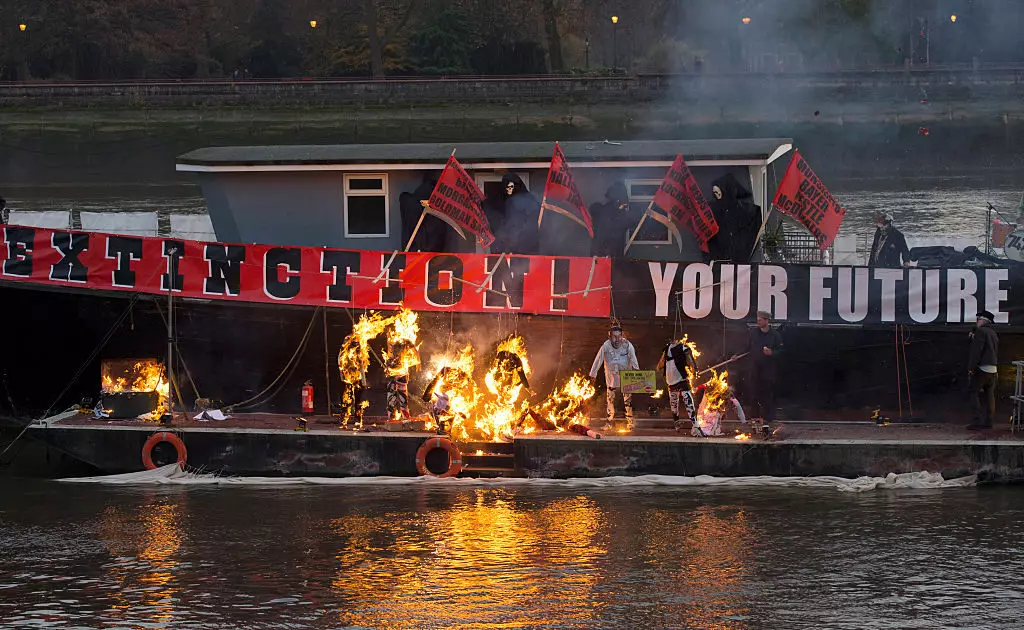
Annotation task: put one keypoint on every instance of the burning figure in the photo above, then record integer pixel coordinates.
(616, 354)
(680, 364)
(718, 395)
(401, 356)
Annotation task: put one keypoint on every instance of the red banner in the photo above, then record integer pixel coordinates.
(680, 200)
(308, 276)
(458, 201)
(804, 197)
(561, 195)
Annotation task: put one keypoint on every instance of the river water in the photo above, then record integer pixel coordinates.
(928, 208)
(414, 556)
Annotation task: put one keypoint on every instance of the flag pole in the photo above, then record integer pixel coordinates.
(764, 224)
(637, 230)
(416, 229)
(426, 208)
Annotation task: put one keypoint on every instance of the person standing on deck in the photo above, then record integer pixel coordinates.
(763, 346)
(616, 354)
(676, 359)
(889, 247)
(981, 367)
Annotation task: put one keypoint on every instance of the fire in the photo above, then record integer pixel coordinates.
(403, 351)
(742, 437)
(143, 376)
(716, 392)
(568, 404)
(692, 345)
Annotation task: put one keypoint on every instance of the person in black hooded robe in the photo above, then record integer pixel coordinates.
(738, 217)
(518, 234)
(431, 235)
(611, 221)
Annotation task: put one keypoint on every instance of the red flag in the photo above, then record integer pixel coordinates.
(680, 201)
(804, 197)
(561, 196)
(457, 201)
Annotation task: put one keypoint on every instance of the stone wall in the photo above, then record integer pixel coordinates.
(880, 85)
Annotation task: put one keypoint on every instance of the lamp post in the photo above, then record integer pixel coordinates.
(615, 43)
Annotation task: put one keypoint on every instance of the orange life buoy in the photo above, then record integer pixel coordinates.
(156, 438)
(454, 457)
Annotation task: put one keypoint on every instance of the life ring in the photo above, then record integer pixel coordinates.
(454, 457)
(156, 438)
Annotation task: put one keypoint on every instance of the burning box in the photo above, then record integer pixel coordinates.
(132, 387)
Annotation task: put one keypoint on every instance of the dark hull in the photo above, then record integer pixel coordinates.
(234, 351)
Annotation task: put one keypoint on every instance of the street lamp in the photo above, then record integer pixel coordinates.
(312, 24)
(615, 43)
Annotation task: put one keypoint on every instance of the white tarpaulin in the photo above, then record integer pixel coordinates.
(50, 219)
(130, 223)
(172, 474)
(193, 227)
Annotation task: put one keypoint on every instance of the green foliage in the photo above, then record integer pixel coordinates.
(443, 42)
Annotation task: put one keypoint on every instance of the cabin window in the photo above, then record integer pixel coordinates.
(366, 206)
(641, 193)
(490, 183)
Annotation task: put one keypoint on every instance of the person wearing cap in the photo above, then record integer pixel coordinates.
(763, 346)
(616, 354)
(889, 248)
(981, 367)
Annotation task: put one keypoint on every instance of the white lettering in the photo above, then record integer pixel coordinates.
(819, 293)
(888, 278)
(853, 293)
(771, 291)
(961, 285)
(662, 281)
(923, 300)
(734, 291)
(995, 295)
(698, 290)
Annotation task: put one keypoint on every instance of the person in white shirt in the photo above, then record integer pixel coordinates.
(616, 354)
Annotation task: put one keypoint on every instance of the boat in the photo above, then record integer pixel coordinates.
(311, 238)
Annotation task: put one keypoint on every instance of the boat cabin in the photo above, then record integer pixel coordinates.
(349, 196)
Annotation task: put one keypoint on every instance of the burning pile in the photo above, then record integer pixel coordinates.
(490, 406)
(135, 376)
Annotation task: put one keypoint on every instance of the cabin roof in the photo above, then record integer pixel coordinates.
(482, 154)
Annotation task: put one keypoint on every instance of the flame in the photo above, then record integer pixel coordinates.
(716, 392)
(742, 437)
(568, 404)
(403, 352)
(144, 376)
(500, 407)
(692, 345)
(658, 394)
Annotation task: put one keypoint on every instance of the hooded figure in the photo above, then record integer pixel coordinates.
(611, 221)
(738, 217)
(431, 235)
(889, 247)
(518, 234)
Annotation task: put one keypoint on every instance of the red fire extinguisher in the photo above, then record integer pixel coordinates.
(307, 397)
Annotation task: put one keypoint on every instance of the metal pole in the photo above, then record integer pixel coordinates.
(988, 230)
(170, 331)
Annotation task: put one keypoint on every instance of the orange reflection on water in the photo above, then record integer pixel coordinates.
(716, 554)
(473, 563)
(144, 572)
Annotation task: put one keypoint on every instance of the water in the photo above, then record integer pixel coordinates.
(439, 556)
(924, 208)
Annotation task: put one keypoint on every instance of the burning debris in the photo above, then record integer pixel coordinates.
(133, 388)
(354, 358)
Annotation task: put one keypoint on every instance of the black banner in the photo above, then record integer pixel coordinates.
(816, 294)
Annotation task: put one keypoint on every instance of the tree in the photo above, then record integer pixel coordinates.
(384, 21)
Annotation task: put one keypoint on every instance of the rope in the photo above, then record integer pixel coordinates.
(906, 374)
(177, 351)
(899, 386)
(289, 367)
